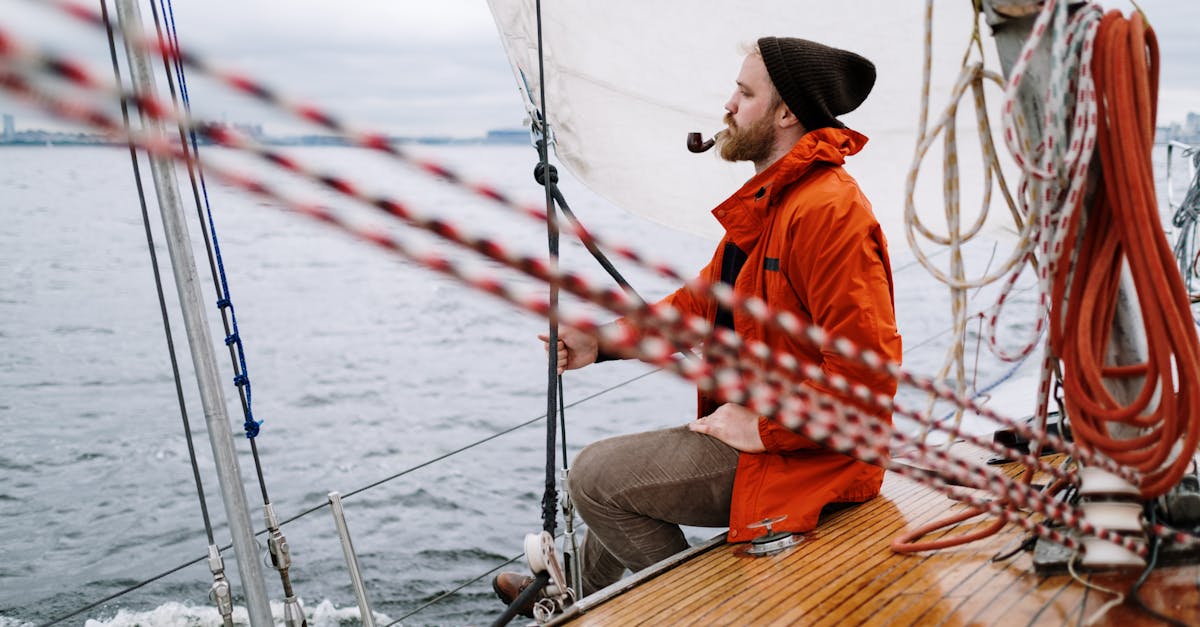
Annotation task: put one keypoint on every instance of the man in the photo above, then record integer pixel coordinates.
(801, 236)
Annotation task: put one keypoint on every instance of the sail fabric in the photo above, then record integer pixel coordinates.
(626, 81)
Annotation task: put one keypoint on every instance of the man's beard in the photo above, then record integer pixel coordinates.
(751, 143)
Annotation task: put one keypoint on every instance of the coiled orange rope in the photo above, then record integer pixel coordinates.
(1122, 225)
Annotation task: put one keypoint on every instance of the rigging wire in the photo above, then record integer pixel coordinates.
(278, 549)
(191, 149)
(550, 492)
(356, 491)
(158, 285)
(449, 593)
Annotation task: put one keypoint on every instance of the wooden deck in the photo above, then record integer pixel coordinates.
(845, 574)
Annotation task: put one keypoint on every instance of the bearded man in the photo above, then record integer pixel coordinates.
(801, 236)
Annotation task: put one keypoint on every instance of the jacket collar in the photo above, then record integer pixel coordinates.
(744, 213)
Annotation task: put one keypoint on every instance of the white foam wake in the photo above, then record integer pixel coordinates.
(324, 614)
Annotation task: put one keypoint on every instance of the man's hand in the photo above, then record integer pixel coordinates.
(734, 425)
(576, 348)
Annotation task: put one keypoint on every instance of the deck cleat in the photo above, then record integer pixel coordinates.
(771, 542)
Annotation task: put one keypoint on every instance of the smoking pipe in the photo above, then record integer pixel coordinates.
(698, 145)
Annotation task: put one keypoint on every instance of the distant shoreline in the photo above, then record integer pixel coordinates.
(324, 142)
(39, 137)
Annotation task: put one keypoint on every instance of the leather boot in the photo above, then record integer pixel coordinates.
(508, 586)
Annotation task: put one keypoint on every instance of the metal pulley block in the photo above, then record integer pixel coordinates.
(539, 552)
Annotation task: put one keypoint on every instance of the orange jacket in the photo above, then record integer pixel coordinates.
(813, 248)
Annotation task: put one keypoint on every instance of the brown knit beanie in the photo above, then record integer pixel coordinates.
(817, 82)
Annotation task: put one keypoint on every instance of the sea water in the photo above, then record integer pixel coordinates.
(362, 364)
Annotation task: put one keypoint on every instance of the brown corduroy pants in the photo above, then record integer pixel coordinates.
(634, 491)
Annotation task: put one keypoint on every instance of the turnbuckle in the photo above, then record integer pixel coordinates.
(220, 593)
(281, 560)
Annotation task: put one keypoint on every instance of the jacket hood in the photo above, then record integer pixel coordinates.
(828, 146)
(824, 145)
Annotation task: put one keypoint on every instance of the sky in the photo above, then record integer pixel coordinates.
(423, 67)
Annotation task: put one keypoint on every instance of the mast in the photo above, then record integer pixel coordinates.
(199, 337)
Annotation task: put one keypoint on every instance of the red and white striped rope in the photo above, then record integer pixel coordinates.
(612, 299)
(843, 430)
(692, 331)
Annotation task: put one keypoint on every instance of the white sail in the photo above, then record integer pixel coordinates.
(626, 81)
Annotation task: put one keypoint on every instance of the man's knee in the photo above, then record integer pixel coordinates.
(587, 472)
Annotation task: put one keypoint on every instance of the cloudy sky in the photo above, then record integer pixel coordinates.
(424, 67)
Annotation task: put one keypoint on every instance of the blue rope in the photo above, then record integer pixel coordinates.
(242, 376)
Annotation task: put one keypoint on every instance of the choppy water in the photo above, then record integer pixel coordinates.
(362, 366)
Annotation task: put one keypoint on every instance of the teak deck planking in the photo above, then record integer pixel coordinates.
(844, 573)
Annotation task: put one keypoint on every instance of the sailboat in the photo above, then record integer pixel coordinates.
(837, 600)
(718, 584)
